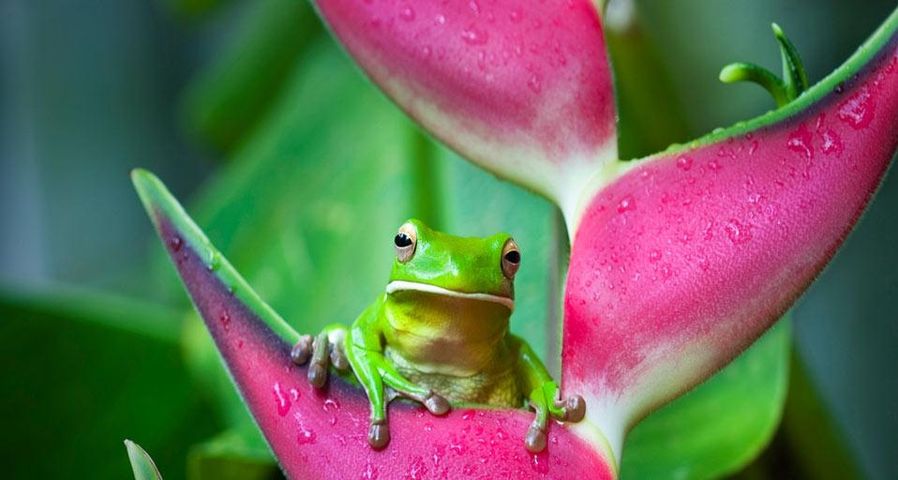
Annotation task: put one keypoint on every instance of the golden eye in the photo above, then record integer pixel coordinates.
(405, 242)
(511, 259)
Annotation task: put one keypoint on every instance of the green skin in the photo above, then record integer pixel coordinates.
(440, 332)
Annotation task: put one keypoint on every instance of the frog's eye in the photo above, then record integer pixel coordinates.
(405, 242)
(511, 259)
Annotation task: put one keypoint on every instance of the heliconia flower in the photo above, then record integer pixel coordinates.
(679, 261)
(523, 89)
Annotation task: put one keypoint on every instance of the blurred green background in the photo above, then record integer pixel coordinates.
(297, 167)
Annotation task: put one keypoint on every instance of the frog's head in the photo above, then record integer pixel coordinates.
(473, 268)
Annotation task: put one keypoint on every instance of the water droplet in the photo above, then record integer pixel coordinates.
(407, 13)
(738, 232)
(331, 406)
(225, 319)
(832, 143)
(515, 15)
(857, 111)
(214, 260)
(175, 243)
(474, 36)
(654, 256)
(305, 436)
(535, 83)
(281, 400)
(626, 204)
(714, 165)
(840, 88)
(684, 163)
(801, 141)
(440, 19)
(539, 462)
(426, 52)
(474, 6)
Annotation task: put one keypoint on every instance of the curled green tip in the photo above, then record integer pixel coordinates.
(735, 72)
(748, 72)
(794, 75)
(783, 91)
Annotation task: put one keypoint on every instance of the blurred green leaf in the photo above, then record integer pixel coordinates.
(720, 426)
(650, 114)
(194, 8)
(141, 463)
(230, 456)
(79, 371)
(817, 443)
(232, 96)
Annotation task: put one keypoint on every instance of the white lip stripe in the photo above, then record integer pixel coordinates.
(398, 285)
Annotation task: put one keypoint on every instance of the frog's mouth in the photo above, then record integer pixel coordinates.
(400, 285)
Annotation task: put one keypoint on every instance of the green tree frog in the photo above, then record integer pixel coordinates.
(440, 333)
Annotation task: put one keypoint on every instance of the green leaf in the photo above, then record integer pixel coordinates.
(230, 456)
(194, 8)
(720, 426)
(817, 443)
(141, 463)
(85, 371)
(233, 95)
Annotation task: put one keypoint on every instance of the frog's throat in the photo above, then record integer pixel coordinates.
(399, 285)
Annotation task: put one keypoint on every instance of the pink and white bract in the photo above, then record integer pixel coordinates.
(679, 261)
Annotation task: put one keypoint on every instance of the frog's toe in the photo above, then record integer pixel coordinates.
(574, 408)
(378, 435)
(535, 441)
(301, 352)
(317, 373)
(338, 356)
(436, 404)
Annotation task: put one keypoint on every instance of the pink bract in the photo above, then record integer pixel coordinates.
(681, 263)
(521, 88)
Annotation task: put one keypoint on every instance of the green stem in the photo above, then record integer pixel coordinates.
(749, 72)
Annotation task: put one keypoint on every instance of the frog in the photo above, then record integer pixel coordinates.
(439, 335)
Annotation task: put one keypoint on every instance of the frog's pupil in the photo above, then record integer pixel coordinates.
(513, 256)
(402, 240)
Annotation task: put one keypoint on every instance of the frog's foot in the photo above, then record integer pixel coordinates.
(546, 401)
(399, 386)
(378, 434)
(326, 348)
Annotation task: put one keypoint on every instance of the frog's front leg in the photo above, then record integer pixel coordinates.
(326, 347)
(545, 396)
(361, 347)
(382, 383)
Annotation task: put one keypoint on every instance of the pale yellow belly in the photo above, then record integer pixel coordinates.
(496, 386)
